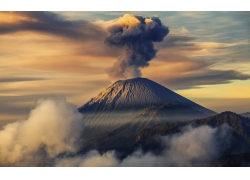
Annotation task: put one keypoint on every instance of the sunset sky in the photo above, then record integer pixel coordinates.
(205, 58)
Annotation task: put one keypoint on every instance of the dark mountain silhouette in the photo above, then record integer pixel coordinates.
(233, 160)
(240, 135)
(148, 138)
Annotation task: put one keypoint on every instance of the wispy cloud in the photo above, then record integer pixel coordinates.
(50, 23)
(18, 79)
(206, 77)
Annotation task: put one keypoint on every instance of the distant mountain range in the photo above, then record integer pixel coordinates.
(148, 139)
(246, 114)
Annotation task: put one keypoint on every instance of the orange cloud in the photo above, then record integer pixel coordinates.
(14, 17)
(127, 20)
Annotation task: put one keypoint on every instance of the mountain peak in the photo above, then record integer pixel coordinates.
(137, 94)
(124, 101)
(133, 80)
(139, 81)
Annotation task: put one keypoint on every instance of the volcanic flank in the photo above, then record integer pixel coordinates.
(138, 102)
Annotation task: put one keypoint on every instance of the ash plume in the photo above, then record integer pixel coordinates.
(135, 34)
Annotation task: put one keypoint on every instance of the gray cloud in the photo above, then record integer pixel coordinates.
(52, 23)
(19, 106)
(4, 122)
(98, 49)
(191, 147)
(90, 159)
(19, 79)
(182, 42)
(206, 77)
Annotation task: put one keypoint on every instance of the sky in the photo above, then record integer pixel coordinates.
(204, 57)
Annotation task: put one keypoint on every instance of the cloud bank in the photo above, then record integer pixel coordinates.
(53, 127)
(52, 136)
(191, 147)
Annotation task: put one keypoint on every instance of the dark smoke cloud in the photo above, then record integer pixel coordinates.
(135, 34)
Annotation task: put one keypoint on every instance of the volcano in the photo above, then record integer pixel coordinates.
(139, 102)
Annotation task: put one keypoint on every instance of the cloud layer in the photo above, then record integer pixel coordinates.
(52, 136)
(191, 147)
(53, 127)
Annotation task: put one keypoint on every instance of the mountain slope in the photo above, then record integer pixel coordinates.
(240, 134)
(137, 93)
(122, 102)
(148, 138)
(158, 114)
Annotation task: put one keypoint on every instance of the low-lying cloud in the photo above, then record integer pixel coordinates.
(53, 127)
(52, 136)
(191, 147)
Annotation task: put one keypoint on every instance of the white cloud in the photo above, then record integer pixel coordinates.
(191, 147)
(51, 136)
(91, 159)
(53, 127)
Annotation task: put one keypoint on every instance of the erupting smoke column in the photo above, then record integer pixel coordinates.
(136, 35)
